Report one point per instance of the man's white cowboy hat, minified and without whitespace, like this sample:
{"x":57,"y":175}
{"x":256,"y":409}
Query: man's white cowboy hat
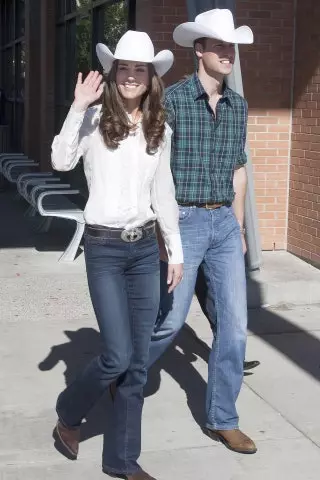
{"x":136,"y":47}
{"x":217,"y":23}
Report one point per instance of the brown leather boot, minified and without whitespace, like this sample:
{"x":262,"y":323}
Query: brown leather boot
{"x":67,"y":440}
{"x":140,"y":476}
{"x":234,"y":440}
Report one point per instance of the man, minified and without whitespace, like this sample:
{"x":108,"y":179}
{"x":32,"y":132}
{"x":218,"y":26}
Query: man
{"x":209,"y":123}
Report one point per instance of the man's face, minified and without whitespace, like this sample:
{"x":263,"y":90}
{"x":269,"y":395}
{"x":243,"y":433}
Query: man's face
{"x":217,"y":56}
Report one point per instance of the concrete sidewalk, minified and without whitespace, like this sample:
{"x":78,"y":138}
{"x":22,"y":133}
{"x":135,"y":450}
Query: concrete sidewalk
{"x":48,"y":332}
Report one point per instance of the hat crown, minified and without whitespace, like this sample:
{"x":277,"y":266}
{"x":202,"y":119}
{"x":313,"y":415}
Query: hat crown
{"x":217,"y":23}
{"x":218,"y":19}
{"x":135,"y":42}
{"x":135,"y":46}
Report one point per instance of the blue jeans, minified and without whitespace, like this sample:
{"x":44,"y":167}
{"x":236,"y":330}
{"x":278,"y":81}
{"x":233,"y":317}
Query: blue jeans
{"x":124,"y":284}
{"x":211,"y":238}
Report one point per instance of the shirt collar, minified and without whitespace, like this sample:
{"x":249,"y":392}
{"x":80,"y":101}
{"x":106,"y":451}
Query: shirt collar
{"x":198,"y":90}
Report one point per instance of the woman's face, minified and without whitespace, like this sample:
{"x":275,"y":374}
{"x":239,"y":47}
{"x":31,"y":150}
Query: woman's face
{"x":132,"y":80}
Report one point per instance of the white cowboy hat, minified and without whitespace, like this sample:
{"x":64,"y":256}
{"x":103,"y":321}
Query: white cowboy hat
{"x":136,"y":47}
{"x":217,"y":23}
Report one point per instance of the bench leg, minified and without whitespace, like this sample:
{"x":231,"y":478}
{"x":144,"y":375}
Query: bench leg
{"x":45,"y":225}
{"x":3,"y":183}
{"x":71,"y":251}
{"x":30,"y":212}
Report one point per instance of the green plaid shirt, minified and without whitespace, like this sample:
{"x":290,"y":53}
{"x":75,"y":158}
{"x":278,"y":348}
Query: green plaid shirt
{"x":205,"y":149}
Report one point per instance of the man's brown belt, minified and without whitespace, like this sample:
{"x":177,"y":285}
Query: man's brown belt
{"x":208,"y":206}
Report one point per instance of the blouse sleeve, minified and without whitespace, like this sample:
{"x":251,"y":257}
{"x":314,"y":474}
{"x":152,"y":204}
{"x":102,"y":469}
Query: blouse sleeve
{"x":164,"y":203}
{"x":72,"y":141}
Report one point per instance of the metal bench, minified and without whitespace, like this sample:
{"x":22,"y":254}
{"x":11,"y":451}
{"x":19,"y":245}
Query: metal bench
{"x":14,"y":168}
{"x":5,"y":158}
{"x":45,"y":194}
{"x":55,"y":203}
{"x":27,"y":183}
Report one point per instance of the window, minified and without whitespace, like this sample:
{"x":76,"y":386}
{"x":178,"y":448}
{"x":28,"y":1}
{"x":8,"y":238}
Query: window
{"x":13,"y":67}
{"x":80,"y":25}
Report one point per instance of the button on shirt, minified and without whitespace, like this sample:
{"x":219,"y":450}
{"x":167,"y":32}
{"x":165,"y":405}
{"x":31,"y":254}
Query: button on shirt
{"x":127,"y":187}
{"x":206,"y":148}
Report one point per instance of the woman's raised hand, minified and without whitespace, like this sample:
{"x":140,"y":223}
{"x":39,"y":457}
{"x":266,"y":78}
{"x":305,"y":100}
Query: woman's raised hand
{"x":87,"y":91}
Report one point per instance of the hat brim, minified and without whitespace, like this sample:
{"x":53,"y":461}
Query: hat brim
{"x":105,"y":56}
{"x":162,"y":62}
{"x":186,"y":34}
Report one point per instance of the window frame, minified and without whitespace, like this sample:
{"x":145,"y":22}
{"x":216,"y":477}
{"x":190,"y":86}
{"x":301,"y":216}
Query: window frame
{"x":12,"y":41}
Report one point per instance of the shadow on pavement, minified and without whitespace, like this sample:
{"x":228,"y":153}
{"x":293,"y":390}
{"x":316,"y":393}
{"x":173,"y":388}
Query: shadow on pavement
{"x":84,"y":344}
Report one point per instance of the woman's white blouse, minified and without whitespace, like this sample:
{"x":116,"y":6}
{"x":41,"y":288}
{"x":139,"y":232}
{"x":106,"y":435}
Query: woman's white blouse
{"x":127,"y":187}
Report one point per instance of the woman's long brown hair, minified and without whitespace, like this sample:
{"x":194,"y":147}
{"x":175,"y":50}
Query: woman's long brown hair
{"x":114,"y":123}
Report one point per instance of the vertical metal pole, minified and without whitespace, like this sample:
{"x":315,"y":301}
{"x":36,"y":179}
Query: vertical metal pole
{"x":234,"y":81}
{"x":254,"y":258}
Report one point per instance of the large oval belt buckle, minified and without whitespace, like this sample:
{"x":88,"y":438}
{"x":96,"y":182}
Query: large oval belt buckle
{"x":131,"y":235}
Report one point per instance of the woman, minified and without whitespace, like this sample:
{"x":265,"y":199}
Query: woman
{"x":125,"y":145}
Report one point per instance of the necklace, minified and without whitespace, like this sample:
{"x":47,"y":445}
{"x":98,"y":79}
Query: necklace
{"x":135,"y":119}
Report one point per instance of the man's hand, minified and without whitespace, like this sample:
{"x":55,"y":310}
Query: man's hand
{"x":240,"y":188}
{"x":175,"y":274}
{"x":244,"y":243}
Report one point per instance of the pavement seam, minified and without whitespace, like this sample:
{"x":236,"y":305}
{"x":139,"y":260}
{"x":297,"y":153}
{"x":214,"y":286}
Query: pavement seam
{"x":275,"y":409}
{"x":59,"y":460}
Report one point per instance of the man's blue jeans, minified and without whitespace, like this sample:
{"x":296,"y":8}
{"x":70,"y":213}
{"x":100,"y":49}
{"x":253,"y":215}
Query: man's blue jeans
{"x":211,"y":238}
{"x":124,"y":283}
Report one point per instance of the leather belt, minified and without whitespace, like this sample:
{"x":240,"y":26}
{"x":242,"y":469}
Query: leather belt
{"x":208,"y":206}
{"x":129,"y":236}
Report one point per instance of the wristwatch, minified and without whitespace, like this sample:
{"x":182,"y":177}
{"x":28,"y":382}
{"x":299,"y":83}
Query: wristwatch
{"x":242,"y":230}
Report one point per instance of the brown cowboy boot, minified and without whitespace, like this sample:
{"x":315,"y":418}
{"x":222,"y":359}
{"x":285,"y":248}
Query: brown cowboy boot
{"x":140,"y":476}
{"x":68,"y":440}
{"x":234,"y":440}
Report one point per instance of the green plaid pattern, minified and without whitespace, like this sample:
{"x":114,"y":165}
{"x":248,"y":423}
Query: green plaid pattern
{"x":205,"y":150}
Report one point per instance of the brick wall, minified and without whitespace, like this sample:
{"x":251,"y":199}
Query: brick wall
{"x":304,"y":193}
{"x":267,"y":77}
{"x":159,"y":18}
{"x":267,"y":74}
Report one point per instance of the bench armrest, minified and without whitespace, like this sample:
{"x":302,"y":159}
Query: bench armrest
{"x":47,"y":187}
{"x":52,"y":192}
{"x":27,"y":163}
{"x":25,"y":176}
{"x":26,"y":179}
{"x":16,"y":158}
{"x":11,"y":154}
